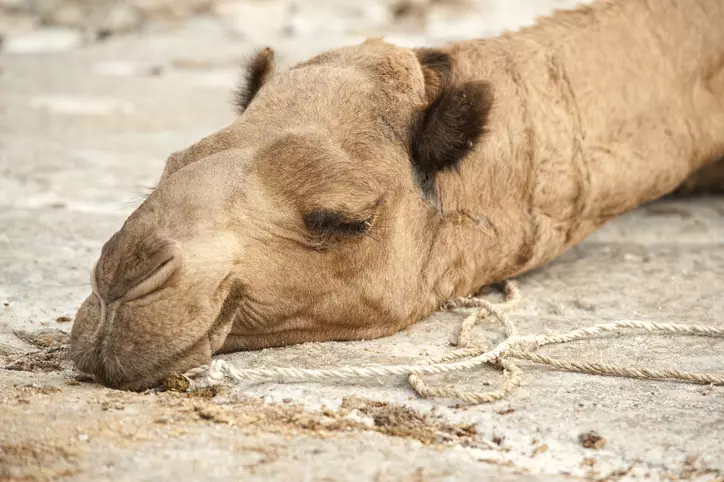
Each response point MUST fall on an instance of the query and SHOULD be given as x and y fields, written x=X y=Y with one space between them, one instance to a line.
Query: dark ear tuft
x=258 y=72
x=450 y=126
x=436 y=68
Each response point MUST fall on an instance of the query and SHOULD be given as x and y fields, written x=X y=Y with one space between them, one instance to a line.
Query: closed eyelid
x=329 y=220
x=338 y=221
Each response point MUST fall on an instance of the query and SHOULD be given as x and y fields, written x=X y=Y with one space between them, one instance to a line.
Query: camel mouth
x=108 y=373
x=178 y=364
x=129 y=362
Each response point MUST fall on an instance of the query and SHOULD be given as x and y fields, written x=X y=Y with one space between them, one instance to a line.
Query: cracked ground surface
x=84 y=131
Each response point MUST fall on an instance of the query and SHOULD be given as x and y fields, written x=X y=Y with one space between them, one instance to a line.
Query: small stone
x=83 y=437
x=541 y=449
x=107 y=406
x=64 y=319
x=83 y=378
x=213 y=413
x=592 y=440
x=505 y=412
x=43 y=41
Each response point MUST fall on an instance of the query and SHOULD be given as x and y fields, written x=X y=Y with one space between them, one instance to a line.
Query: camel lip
x=138 y=385
x=141 y=370
x=154 y=373
x=154 y=379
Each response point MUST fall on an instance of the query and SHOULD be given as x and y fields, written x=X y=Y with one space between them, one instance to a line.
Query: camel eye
x=326 y=222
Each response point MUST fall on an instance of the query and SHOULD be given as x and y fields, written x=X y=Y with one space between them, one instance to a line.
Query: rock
x=592 y=440
x=43 y=41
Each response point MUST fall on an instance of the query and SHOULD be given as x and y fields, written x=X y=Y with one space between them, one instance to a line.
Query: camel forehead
x=331 y=108
x=309 y=162
x=313 y=93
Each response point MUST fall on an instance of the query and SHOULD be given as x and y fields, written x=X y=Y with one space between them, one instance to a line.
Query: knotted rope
x=470 y=355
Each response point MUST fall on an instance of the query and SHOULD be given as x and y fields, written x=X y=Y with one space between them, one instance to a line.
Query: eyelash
x=334 y=223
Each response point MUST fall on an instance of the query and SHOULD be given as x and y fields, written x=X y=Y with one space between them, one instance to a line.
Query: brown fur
x=304 y=219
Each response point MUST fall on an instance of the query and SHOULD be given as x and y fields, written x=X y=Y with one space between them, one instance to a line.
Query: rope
x=470 y=355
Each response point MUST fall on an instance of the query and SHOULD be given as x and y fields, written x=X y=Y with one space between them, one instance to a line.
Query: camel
x=360 y=189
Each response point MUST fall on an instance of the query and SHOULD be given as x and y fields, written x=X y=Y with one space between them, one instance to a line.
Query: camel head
x=315 y=216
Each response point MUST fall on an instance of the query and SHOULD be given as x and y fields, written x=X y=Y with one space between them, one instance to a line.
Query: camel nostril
x=136 y=272
x=156 y=279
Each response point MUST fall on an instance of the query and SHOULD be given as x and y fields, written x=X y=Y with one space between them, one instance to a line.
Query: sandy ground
x=85 y=129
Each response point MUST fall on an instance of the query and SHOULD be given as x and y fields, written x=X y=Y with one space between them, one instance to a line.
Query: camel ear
x=448 y=129
x=258 y=73
x=453 y=119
